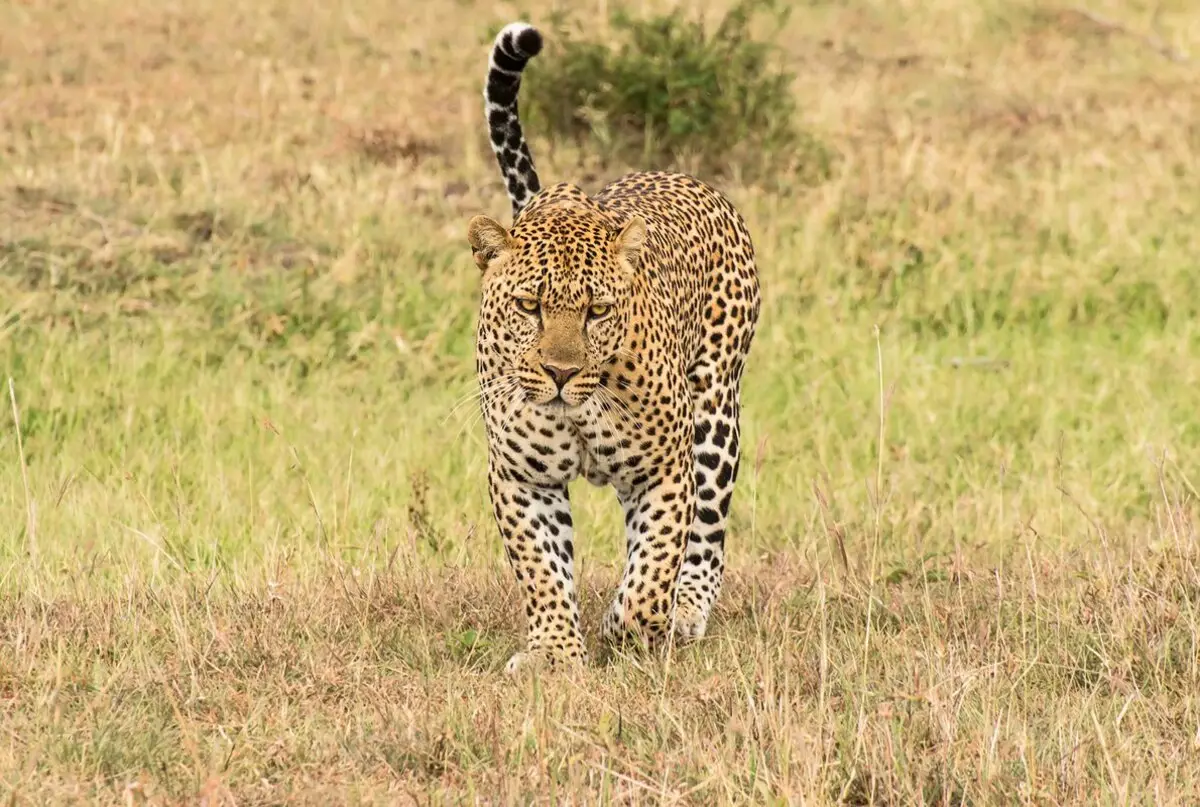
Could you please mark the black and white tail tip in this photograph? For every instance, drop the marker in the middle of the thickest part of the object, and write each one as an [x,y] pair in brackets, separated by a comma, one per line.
[514,46]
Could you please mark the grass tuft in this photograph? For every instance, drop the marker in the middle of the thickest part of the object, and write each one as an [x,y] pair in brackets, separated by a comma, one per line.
[667,91]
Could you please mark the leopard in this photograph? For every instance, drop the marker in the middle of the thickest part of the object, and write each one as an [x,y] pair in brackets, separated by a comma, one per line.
[612,336]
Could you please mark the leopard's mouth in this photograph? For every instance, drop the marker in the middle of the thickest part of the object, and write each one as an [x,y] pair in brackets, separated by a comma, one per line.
[558,403]
[560,400]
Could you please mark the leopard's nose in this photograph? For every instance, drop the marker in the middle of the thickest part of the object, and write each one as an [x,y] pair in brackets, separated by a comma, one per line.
[560,374]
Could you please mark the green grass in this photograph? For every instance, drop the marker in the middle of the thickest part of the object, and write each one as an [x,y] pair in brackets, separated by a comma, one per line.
[246,553]
[668,89]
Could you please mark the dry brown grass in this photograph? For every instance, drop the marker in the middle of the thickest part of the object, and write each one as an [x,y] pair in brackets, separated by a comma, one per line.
[245,550]
[1063,682]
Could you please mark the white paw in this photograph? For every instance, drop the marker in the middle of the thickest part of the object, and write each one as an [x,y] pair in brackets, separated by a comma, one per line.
[518,662]
[690,623]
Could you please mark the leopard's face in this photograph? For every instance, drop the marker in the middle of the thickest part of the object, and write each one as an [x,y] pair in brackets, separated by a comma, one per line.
[555,306]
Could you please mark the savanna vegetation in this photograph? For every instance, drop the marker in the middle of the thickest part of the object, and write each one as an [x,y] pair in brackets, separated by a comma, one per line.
[246,554]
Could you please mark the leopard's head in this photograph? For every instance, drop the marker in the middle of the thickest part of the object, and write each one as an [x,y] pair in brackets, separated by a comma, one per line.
[556,303]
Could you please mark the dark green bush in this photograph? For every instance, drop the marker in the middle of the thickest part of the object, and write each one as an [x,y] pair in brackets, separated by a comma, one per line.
[667,93]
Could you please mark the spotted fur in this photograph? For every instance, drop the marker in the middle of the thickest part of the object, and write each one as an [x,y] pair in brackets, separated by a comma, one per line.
[613,332]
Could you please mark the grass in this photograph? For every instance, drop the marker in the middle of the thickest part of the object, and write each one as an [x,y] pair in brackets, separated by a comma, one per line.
[669,89]
[245,549]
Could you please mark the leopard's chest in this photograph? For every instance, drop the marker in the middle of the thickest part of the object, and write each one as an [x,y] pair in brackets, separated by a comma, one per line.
[556,447]
[601,460]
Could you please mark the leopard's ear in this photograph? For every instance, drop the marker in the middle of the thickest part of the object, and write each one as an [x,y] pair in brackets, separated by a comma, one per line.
[488,239]
[629,242]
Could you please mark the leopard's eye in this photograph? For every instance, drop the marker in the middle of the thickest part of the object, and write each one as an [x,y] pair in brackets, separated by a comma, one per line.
[598,311]
[527,305]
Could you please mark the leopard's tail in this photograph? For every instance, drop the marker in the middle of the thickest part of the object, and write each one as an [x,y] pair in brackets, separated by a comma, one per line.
[514,46]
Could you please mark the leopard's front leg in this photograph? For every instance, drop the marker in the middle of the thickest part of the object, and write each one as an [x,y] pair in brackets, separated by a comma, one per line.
[658,515]
[535,523]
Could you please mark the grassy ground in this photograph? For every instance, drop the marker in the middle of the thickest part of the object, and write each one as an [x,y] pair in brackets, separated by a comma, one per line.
[245,548]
